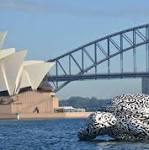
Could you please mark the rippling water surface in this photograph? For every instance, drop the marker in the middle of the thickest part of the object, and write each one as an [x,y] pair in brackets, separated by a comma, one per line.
[54,135]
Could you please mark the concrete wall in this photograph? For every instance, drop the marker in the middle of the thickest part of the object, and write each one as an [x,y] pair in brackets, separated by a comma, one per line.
[46,115]
[27,102]
[5,109]
[55,115]
[145,85]
[30,101]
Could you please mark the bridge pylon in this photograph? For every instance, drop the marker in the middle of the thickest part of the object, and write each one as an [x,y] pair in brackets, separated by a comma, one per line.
[145,85]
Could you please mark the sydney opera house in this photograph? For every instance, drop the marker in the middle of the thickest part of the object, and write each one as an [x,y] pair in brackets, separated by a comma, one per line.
[23,85]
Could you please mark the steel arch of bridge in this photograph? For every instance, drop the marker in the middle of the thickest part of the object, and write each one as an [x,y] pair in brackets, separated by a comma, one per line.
[109,47]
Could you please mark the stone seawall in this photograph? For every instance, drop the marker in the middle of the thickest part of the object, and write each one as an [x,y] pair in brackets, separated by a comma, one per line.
[46,115]
[7,116]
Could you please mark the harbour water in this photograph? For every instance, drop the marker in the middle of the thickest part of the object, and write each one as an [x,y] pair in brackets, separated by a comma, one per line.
[56,134]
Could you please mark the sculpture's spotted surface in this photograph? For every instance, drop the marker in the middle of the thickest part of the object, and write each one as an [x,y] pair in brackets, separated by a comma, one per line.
[127,120]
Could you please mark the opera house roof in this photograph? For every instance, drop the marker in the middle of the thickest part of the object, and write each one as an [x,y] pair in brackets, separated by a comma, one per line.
[15,73]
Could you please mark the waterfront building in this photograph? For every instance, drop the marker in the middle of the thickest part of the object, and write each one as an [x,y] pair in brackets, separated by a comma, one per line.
[23,84]
[69,109]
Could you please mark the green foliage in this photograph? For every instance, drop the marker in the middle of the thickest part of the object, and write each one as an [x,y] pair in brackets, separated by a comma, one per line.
[90,104]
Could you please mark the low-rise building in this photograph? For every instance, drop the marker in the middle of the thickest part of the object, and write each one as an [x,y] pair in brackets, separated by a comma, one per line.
[69,109]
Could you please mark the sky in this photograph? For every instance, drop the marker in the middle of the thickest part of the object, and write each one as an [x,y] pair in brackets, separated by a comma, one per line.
[49,28]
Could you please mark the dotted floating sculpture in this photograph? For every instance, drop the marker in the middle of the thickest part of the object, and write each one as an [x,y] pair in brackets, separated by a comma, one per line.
[127,119]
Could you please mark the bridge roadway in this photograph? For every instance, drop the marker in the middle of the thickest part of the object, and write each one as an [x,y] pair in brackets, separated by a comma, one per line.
[99,76]
[78,63]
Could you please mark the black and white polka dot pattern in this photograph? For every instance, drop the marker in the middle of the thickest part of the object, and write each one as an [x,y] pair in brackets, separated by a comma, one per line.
[127,120]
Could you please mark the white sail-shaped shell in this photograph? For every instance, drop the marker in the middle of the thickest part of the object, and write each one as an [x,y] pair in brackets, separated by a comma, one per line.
[3,54]
[10,66]
[6,52]
[32,74]
[2,38]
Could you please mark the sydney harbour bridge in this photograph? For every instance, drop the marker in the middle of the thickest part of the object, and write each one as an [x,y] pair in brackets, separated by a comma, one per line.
[117,55]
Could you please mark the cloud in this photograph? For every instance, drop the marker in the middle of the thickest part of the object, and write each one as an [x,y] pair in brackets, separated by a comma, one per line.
[54,7]
[23,5]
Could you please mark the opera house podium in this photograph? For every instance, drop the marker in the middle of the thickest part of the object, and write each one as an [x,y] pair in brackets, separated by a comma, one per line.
[29,102]
[23,84]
